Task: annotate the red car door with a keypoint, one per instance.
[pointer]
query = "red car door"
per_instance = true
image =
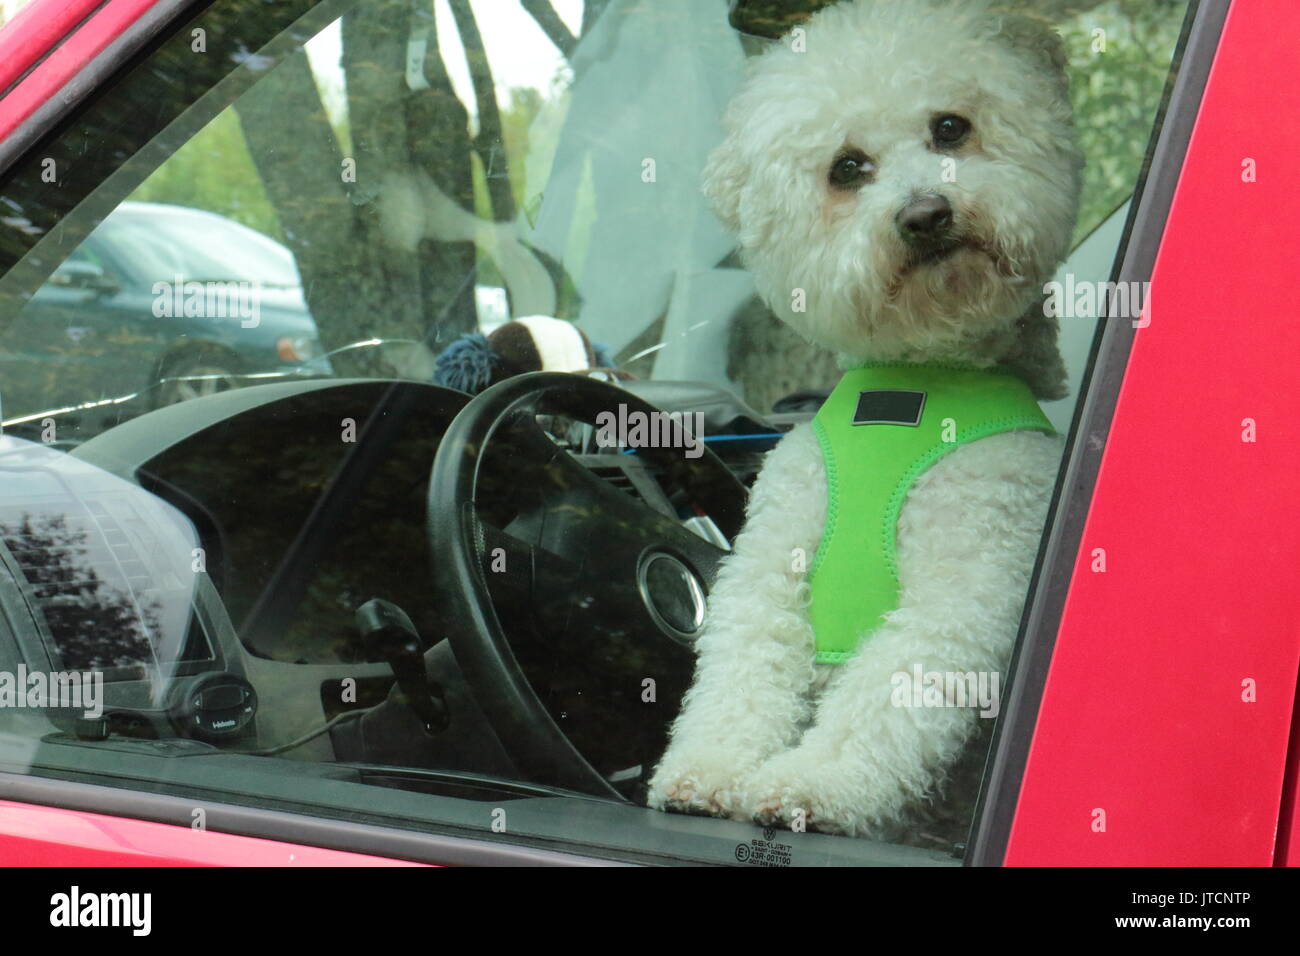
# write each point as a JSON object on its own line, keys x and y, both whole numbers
{"x": 1164, "y": 639}
{"x": 1151, "y": 712}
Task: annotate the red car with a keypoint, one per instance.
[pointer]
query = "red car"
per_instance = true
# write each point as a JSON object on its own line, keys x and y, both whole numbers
{"x": 297, "y": 655}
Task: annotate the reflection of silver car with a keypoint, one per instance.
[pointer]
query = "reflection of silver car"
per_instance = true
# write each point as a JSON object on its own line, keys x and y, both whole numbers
{"x": 204, "y": 298}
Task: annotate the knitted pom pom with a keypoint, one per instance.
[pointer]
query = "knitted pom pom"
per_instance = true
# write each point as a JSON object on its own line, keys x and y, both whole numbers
{"x": 466, "y": 364}
{"x": 604, "y": 355}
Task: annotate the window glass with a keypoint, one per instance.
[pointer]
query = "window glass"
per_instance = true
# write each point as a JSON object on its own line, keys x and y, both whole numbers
{"x": 220, "y": 416}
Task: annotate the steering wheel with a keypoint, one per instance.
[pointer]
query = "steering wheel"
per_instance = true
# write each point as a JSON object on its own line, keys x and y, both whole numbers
{"x": 587, "y": 579}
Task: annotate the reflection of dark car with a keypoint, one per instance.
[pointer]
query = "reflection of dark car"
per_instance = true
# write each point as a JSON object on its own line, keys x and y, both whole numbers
{"x": 207, "y": 298}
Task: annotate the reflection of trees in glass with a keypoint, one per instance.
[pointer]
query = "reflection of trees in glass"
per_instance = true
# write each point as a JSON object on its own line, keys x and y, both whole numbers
{"x": 214, "y": 171}
{"x": 277, "y": 163}
{"x": 93, "y": 624}
{"x": 1117, "y": 91}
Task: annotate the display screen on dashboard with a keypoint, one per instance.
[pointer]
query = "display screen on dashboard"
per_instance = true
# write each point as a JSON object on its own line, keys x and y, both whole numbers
{"x": 111, "y": 569}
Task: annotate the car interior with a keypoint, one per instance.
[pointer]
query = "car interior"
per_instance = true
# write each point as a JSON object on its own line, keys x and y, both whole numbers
{"x": 347, "y": 592}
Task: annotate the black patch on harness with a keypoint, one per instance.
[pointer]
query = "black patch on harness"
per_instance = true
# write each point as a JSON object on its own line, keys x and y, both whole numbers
{"x": 889, "y": 407}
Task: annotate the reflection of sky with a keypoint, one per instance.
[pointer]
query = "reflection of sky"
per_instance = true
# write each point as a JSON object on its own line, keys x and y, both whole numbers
{"x": 520, "y": 53}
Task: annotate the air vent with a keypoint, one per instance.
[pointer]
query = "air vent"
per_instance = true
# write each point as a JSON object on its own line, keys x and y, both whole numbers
{"x": 620, "y": 479}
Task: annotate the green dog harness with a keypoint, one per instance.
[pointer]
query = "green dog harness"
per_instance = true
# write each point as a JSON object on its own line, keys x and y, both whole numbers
{"x": 881, "y": 428}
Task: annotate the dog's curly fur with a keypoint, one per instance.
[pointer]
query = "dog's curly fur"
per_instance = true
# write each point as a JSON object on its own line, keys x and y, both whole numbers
{"x": 764, "y": 733}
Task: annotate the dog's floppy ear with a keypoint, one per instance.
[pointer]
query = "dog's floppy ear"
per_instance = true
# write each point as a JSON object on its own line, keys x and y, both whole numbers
{"x": 1034, "y": 36}
{"x": 1036, "y": 357}
{"x": 724, "y": 179}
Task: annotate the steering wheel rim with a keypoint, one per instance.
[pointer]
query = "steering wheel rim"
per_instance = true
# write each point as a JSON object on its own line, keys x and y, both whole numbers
{"x": 462, "y": 540}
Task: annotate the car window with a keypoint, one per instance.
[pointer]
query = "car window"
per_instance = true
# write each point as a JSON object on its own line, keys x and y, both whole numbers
{"x": 227, "y": 368}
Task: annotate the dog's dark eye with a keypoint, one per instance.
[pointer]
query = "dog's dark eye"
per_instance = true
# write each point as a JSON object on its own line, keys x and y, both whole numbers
{"x": 850, "y": 170}
{"x": 949, "y": 129}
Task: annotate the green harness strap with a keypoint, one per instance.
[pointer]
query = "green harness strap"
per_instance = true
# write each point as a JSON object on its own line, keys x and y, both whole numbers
{"x": 881, "y": 428}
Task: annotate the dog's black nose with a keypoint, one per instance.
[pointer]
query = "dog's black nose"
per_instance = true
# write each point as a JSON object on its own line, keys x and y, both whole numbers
{"x": 924, "y": 219}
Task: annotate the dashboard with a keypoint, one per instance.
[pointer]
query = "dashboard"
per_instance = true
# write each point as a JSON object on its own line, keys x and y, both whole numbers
{"x": 228, "y": 545}
{"x": 208, "y": 559}
{"x": 147, "y": 557}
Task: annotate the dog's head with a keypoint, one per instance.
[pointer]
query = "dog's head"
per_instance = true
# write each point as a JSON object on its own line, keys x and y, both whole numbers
{"x": 903, "y": 179}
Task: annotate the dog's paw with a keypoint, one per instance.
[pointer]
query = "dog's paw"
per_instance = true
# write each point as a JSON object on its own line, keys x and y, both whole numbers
{"x": 789, "y": 792}
{"x": 693, "y": 792}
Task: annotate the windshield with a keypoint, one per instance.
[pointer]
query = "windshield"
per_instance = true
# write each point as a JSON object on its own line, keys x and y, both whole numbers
{"x": 521, "y": 209}
{"x": 248, "y": 332}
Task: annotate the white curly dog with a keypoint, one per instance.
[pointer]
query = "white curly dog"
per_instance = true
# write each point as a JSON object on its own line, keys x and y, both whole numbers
{"x": 903, "y": 178}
